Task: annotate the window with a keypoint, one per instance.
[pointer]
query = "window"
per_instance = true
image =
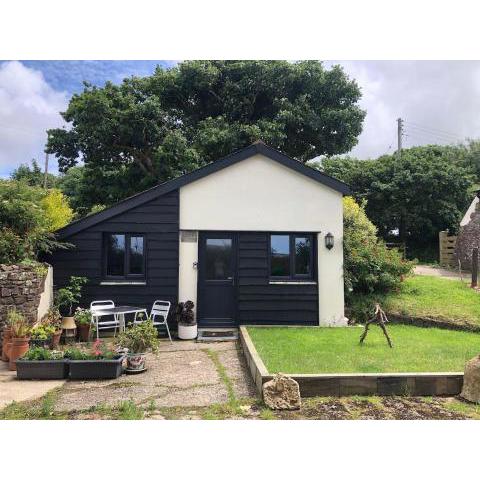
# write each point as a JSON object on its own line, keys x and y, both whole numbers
{"x": 291, "y": 256}
{"x": 124, "y": 256}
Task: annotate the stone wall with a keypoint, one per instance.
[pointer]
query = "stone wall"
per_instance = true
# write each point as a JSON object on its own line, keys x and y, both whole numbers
{"x": 21, "y": 287}
{"x": 468, "y": 237}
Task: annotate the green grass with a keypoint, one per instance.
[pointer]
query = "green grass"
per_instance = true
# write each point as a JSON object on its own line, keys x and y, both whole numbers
{"x": 337, "y": 350}
{"x": 445, "y": 299}
{"x": 424, "y": 296}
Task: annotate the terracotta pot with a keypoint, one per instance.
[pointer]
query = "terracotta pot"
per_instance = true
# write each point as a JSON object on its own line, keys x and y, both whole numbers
{"x": 7, "y": 335}
{"x": 83, "y": 332}
{"x": 19, "y": 348}
{"x": 56, "y": 339}
{"x": 7, "y": 349}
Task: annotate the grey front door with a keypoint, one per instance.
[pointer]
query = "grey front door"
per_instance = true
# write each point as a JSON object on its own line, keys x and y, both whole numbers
{"x": 216, "y": 279}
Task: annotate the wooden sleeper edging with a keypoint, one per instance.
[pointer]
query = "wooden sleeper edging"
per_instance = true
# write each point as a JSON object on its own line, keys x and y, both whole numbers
{"x": 326, "y": 384}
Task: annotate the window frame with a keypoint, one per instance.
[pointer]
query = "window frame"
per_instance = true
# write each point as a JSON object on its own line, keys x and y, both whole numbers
{"x": 291, "y": 242}
{"x": 126, "y": 262}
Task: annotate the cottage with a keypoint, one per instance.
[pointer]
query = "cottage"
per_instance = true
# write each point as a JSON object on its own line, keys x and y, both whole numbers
{"x": 253, "y": 238}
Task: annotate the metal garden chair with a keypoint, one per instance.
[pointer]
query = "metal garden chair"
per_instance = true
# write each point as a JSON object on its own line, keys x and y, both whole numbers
{"x": 159, "y": 315}
{"x": 98, "y": 308}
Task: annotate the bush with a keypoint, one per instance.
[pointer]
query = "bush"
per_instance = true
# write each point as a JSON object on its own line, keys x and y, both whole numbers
{"x": 369, "y": 266}
{"x": 139, "y": 338}
{"x": 28, "y": 215}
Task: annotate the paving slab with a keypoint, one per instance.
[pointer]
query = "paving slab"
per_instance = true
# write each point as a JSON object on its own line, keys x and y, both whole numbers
{"x": 180, "y": 374}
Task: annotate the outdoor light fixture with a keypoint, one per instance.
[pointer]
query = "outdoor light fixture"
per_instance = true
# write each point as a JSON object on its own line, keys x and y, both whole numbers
{"x": 329, "y": 240}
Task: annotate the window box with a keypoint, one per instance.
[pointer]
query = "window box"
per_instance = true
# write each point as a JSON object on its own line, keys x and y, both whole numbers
{"x": 42, "y": 369}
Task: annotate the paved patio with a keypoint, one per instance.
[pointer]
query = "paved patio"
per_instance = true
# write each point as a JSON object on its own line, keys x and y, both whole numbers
{"x": 182, "y": 374}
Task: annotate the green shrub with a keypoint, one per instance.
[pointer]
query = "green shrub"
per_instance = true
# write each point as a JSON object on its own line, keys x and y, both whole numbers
{"x": 28, "y": 215}
{"x": 42, "y": 332}
{"x": 369, "y": 266}
{"x": 139, "y": 338}
{"x": 40, "y": 353}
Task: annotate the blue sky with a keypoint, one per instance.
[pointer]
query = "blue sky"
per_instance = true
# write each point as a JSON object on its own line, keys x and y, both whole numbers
{"x": 68, "y": 75}
{"x": 32, "y": 93}
{"x": 439, "y": 101}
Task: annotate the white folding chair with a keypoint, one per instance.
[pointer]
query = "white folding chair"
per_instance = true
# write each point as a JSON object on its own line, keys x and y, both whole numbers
{"x": 96, "y": 308}
{"x": 160, "y": 309}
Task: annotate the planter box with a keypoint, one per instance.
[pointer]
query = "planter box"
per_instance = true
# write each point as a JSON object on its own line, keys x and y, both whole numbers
{"x": 96, "y": 369}
{"x": 42, "y": 369}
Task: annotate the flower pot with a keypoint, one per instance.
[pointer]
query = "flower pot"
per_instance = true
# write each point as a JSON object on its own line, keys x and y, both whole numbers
{"x": 8, "y": 348}
{"x": 42, "y": 369}
{"x": 187, "y": 332}
{"x": 83, "y": 332}
{"x": 95, "y": 369}
{"x": 37, "y": 342}
{"x": 136, "y": 362}
{"x": 7, "y": 335}
{"x": 19, "y": 348}
{"x": 56, "y": 339}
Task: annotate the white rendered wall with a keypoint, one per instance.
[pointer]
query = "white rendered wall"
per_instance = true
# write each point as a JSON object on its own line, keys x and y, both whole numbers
{"x": 259, "y": 194}
{"x": 46, "y": 297}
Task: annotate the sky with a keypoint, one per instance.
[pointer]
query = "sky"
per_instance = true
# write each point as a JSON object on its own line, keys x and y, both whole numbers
{"x": 438, "y": 100}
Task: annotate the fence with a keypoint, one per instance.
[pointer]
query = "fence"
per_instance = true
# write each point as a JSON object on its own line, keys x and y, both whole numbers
{"x": 447, "y": 249}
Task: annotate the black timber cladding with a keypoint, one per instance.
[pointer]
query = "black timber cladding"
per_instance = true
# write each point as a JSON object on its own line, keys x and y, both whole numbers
{"x": 263, "y": 303}
{"x": 158, "y": 220}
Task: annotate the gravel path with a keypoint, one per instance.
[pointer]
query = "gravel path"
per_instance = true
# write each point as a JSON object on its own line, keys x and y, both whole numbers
{"x": 438, "y": 272}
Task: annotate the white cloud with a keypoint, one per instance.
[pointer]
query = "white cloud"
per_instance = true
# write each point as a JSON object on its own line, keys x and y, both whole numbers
{"x": 439, "y": 101}
{"x": 28, "y": 107}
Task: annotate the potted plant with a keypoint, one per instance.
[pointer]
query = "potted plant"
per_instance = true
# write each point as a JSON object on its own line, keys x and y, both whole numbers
{"x": 100, "y": 362}
{"x": 83, "y": 320}
{"x": 54, "y": 319}
{"x": 187, "y": 323}
{"x": 40, "y": 363}
{"x": 41, "y": 335}
{"x": 138, "y": 340}
{"x": 65, "y": 299}
{"x": 19, "y": 331}
{"x": 6, "y": 340}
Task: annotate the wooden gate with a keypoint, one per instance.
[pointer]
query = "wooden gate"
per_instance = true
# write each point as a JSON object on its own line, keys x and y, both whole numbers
{"x": 447, "y": 249}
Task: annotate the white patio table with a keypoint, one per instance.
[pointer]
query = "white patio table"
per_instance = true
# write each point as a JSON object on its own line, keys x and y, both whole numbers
{"x": 118, "y": 313}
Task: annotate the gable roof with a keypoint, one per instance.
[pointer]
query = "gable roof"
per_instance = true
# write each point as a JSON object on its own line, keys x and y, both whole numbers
{"x": 163, "y": 188}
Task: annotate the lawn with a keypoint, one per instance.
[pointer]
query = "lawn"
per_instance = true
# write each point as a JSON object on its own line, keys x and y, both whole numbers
{"x": 337, "y": 350}
{"x": 432, "y": 297}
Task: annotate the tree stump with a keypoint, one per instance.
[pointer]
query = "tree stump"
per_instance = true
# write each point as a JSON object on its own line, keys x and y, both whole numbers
{"x": 379, "y": 318}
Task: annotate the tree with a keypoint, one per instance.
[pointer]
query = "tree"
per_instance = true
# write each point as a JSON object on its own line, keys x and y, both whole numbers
{"x": 33, "y": 176}
{"x": 422, "y": 192}
{"x": 147, "y": 130}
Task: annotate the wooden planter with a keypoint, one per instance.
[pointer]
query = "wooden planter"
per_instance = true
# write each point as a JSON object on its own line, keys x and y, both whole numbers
{"x": 42, "y": 369}
{"x": 96, "y": 369}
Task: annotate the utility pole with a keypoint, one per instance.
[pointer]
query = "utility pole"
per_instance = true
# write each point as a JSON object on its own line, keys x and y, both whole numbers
{"x": 399, "y": 136}
{"x": 46, "y": 172}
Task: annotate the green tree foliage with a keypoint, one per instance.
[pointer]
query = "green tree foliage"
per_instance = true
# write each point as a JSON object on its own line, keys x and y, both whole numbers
{"x": 424, "y": 191}
{"x": 148, "y": 130}
{"x": 369, "y": 267}
{"x": 27, "y": 217}
{"x": 57, "y": 210}
{"x": 33, "y": 175}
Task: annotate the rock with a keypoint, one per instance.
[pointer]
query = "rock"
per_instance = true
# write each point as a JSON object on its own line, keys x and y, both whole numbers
{"x": 471, "y": 380}
{"x": 282, "y": 393}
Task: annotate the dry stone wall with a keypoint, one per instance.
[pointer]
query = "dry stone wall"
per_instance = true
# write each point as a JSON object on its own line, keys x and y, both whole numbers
{"x": 21, "y": 287}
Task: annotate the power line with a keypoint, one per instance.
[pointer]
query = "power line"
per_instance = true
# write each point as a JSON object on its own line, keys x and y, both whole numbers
{"x": 435, "y": 130}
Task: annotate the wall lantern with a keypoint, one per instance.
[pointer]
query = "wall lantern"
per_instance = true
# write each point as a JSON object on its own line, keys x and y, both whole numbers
{"x": 329, "y": 240}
